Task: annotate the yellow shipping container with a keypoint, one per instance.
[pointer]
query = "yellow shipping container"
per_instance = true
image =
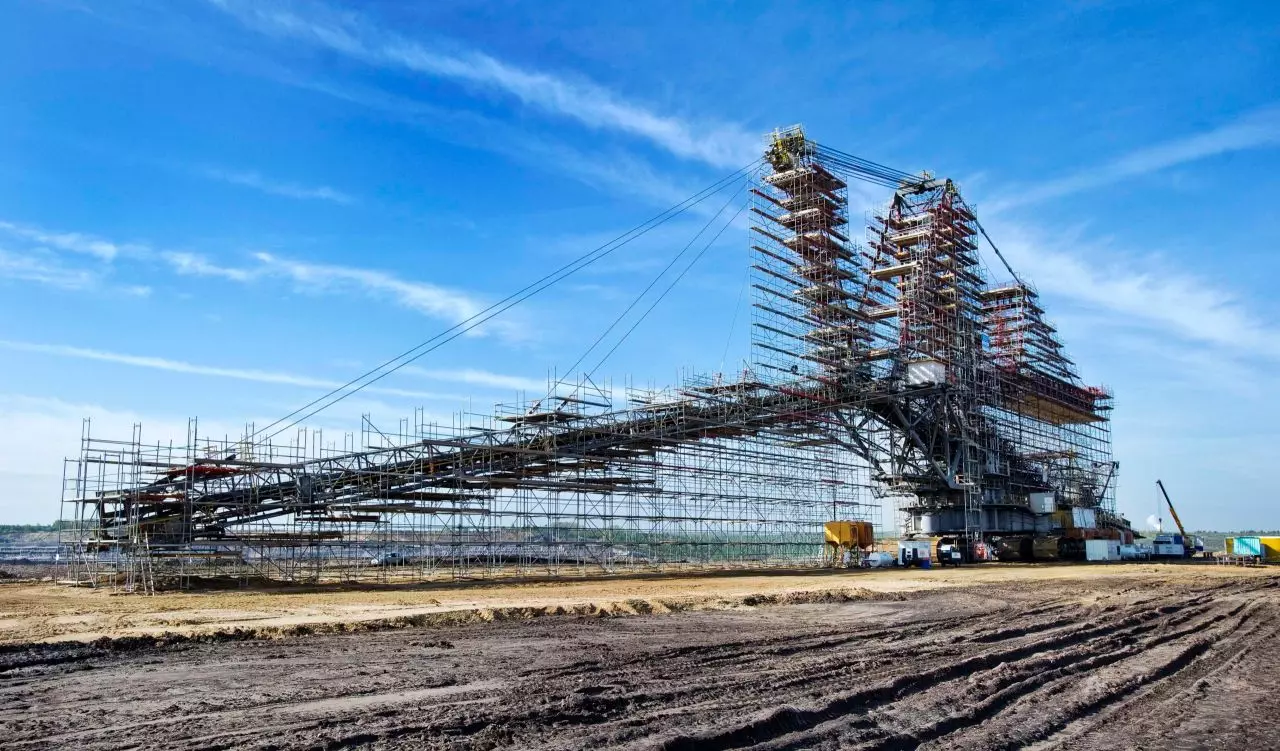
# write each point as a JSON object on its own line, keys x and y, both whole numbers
{"x": 1270, "y": 549}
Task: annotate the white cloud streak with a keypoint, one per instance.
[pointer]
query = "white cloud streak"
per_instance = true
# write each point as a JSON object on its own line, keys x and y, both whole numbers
{"x": 32, "y": 268}
{"x": 1176, "y": 303}
{"x": 73, "y": 242}
{"x": 478, "y": 378}
{"x": 428, "y": 299}
{"x": 178, "y": 366}
{"x": 266, "y": 185}
{"x": 193, "y": 264}
{"x": 1141, "y": 292}
{"x": 592, "y": 105}
{"x": 1255, "y": 130}
{"x": 432, "y": 300}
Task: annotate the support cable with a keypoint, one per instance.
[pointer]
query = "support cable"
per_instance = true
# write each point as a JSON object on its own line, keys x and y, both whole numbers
{"x": 670, "y": 287}
{"x": 652, "y": 283}
{"x": 737, "y": 308}
{"x": 865, "y": 169}
{"x": 880, "y": 174}
{"x": 408, "y": 356}
{"x": 999, "y": 255}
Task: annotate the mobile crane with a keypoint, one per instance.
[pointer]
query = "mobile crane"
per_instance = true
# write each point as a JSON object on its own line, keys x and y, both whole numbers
{"x": 1188, "y": 544}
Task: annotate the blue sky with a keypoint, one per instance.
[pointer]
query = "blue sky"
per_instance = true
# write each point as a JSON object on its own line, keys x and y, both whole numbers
{"x": 221, "y": 207}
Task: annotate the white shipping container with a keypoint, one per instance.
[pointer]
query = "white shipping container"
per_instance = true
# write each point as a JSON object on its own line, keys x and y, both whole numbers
{"x": 1104, "y": 550}
{"x": 918, "y": 550}
{"x": 1043, "y": 503}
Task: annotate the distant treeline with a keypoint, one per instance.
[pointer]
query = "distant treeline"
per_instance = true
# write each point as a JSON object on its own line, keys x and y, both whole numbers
{"x": 1218, "y": 540}
{"x": 9, "y": 529}
{"x": 1203, "y": 532}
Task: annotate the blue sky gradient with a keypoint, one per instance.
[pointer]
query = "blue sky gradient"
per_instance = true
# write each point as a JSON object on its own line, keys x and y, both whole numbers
{"x": 223, "y": 207}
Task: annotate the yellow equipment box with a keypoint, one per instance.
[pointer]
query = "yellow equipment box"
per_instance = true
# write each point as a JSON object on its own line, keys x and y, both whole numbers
{"x": 850, "y": 534}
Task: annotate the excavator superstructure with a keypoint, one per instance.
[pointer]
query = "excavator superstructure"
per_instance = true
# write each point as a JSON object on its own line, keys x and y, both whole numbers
{"x": 883, "y": 370}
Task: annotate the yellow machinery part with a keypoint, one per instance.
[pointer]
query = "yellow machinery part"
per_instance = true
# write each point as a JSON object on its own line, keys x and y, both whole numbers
{"x": 857, "y": 534}
{"x": 840, "y": 533}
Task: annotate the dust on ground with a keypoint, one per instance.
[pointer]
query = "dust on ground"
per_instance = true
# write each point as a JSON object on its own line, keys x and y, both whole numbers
{"x": 31, "y": 612}
{"x": 993, "y": 658}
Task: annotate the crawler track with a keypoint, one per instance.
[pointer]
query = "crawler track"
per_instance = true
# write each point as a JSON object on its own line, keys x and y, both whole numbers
{"x": 1075, "y": 664}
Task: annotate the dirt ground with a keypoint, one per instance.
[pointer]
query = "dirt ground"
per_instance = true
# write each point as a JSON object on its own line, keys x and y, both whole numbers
{"x": 31, "y": 612}
{"x": 1125, "y": 656}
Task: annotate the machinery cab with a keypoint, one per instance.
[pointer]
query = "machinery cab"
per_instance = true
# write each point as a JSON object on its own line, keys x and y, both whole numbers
{"x": 950, "y": 554}
{"x": 915, "y": 553}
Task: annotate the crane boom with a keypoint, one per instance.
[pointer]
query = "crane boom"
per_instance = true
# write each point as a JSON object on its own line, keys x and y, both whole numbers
{"x": 1172, "y": 510}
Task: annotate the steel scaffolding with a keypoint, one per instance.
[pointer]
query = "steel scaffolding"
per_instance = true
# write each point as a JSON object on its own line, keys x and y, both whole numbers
{"x": 890, "y": 370}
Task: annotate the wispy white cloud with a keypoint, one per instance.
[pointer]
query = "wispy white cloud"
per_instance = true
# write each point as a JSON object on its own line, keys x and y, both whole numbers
{"x": 45, "y": 267}
{"x": 73, "y": 242}
{"x": 1138, "y": 292}
{"x": 41, "y": 265}
{"x": 451, "y": 305}
{"x": 426, "y": 298}
{"x": 43, "y": 270}
{"x": 285, "y": 189}
{"x": 194, "y": 264}
{"x": 614, "y": 171}
{"x": 720, "y": 144}
{"x": 1257, "y": 129}
{"x": 178, "y": 366}
{"x": 429, "y": 299}
{"x": 478, "y": 378}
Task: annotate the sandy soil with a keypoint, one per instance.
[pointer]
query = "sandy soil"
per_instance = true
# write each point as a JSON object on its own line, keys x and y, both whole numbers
{"x": 46, "y": 612}
{"x": 1064, "y": 657}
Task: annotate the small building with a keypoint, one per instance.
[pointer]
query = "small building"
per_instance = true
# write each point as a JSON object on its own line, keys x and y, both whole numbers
{"x": 1102, "y": 550}
{"x": 915, "y": 553}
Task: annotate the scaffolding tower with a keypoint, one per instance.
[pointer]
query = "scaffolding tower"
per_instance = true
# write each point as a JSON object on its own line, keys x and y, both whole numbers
{"x": 884, "y": 371}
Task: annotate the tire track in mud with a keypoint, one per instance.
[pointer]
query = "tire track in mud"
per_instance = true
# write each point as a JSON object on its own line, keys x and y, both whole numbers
{"x": 802, "y": 724}
{"x": 1176, "y": 694}
{"x": 1040, "y": 677}
{"x": 695, "y": 674}
{"x": 788, "y": 719}
{"x": 993, "y": 666}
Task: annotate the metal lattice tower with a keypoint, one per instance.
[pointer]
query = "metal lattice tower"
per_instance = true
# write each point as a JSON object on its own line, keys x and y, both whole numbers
{"x": 889, "y": 369}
